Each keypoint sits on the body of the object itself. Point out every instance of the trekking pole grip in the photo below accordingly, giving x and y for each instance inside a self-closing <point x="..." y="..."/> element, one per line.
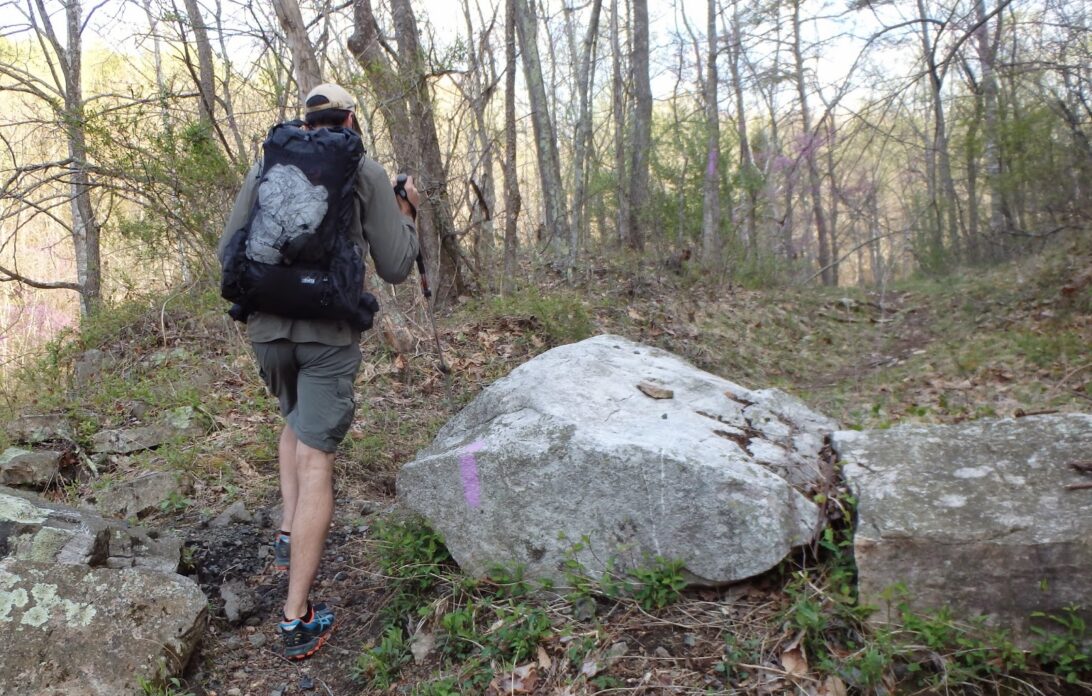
<point x="400" y="191"/>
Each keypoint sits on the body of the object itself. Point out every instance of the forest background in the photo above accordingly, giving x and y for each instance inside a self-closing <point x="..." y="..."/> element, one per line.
<point x="880" y="207"/>
<point x="842" y="143"/>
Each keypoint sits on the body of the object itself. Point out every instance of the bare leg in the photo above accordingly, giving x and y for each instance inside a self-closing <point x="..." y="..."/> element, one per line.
<point x="286" y="456"/>
<point x="314" y="510"/>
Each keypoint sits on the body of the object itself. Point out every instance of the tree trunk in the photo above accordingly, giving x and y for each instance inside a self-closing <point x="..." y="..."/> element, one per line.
<point x="942" y="187"/>
<point x="85" y="226"/>
<point x="583" y="131"/>
<point x="511" y="186"/>
<point x="308" y="72"/>
<point x="549" y="165"/>
<point x="710" y="216"/>
<point x="811" y="142"/>
<point x="483" y="194"/>
<point x="206" y="83"/>
<point x="407" y="108"/>
<point x="749" y="175"/>
<point x="431" y="178"/>
<point x="835" y="197"/>
<point x="642" y="127"/>
<point x="618" y="112"/>
<point x="987" y="53"/>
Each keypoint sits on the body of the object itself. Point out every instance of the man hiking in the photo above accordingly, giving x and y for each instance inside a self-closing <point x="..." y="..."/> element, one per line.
<point x="307" y="349"/>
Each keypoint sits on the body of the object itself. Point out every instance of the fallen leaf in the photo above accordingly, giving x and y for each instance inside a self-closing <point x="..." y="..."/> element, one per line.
<point x="651" y="390"/>
<point x="521" y="680"/>
<point x="590" y="668"/>
<point x="794" y="662"/>
<point x="544" y="659"/>
<point x="832" y="686"/>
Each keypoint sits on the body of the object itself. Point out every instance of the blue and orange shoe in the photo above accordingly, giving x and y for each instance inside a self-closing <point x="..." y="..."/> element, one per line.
<point x="282" y="551"/>
<point x="303" y="638"/>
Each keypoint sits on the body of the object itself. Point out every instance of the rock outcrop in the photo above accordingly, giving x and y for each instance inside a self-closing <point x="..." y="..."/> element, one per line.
<point x="87" y="605"/>
<point x="981" y="517"/>
<point x="74" y="631"/>
<point x="631" y="449"/>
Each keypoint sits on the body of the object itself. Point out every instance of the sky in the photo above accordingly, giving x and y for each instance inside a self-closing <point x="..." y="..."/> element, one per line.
<point x="115" y="23"/>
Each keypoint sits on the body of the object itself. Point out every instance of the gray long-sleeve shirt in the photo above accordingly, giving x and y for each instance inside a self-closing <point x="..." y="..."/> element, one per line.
<point x="378" y="228"/>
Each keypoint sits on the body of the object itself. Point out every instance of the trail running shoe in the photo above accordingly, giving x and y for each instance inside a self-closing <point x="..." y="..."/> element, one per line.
<point x="302" y="639"/>
<point x="282" y="552"/>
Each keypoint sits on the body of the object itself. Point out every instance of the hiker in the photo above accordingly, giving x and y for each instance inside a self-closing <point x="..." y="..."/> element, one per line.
<point x="310" y="364"/>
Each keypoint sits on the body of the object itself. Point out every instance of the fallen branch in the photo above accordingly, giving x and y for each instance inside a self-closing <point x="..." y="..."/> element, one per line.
<point x="1079" y="486"/>
<point x="1082" y="467"/>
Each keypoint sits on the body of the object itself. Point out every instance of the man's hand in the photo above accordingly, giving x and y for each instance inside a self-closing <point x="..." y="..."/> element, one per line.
<point x="407" y="196"/>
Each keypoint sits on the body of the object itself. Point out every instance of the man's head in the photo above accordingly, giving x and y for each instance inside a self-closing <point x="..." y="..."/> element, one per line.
<point x="327" y="105"/>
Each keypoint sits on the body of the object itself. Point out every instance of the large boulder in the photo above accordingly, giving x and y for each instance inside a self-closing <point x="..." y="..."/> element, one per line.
<point x="982" y="517"/>
<point x="74" y="630"/>
<point x="630" y="449"/>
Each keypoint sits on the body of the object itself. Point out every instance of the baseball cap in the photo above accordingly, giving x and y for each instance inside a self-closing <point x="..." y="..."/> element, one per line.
<point x="327" y="96"/>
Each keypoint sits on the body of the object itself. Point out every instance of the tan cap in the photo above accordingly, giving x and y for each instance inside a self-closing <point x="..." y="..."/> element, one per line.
<point x="327" y="96"/>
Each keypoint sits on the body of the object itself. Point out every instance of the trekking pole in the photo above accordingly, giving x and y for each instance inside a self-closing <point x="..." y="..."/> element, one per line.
<point x="400" y="191"/>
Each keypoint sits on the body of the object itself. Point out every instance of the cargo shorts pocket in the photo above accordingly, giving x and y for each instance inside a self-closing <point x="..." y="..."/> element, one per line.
<point x="346" y="401"/>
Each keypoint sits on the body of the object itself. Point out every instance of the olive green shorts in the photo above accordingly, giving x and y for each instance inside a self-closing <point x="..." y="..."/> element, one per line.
<point x="314" y="384"/>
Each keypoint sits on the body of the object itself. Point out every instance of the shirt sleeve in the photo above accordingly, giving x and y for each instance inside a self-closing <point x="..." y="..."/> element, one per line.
<point x="244" y="201"/>
<point x="391" y="236"/>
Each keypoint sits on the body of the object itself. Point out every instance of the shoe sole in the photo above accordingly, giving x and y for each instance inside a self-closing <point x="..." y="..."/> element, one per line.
<point x="321" y="642"/>
<point x="280" y="567"/>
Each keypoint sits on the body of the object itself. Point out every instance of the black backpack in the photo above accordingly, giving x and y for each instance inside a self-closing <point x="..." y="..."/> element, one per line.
<point x="294" y="258"/>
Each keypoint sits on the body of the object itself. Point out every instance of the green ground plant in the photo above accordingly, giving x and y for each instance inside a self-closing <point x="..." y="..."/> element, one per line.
<point x="563" y="314"/>
<point x="659" y="584"/>
<point x="1062" y="647"/>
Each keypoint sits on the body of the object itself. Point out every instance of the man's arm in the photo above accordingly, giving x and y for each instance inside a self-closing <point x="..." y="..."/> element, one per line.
<point x="391" y="235"/>
<point x="244" y="201"/>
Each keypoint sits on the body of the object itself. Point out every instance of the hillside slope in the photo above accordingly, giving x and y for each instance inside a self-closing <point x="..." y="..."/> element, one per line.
<point x="1007" y="341"/>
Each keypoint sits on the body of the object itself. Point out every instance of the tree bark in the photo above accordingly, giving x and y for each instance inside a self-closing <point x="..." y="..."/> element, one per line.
<point x="942" y="194"/>
<point x="749" y="174"/>
<point x="583" y="131"/>
<point x="407" y="109"/>
<point x="642" y="127"/>
<point x="619" y="116"/>
<point x="84" y="227"/>
<point x="710" y="218"/>
<point x="206" y="83"/>
<point x="987" y="52"/>
<point x="511" y="186"/>
<point x="483" y="196"/>
<point x="811" y="142"/>
<point x="432" y="176"/>
<point x="308" y="72"/>
<point x="549" y="165"/>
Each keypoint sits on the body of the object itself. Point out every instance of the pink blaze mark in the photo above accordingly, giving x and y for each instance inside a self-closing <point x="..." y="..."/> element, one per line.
<point x="468" y="472"/>
<point x="711" y="169"/>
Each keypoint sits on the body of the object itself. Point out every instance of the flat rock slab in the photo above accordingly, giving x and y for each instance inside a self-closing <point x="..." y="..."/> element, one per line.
<point x="29" y="468"/>
<point x="34" y="529"/>
<point x="611" y="453"/>
<point x="73" y="630"/>
<point x="36" y="428"/>
<point x="138" y="496"/>
<point x="976" y="517"/>
<point x="179" y="421"/>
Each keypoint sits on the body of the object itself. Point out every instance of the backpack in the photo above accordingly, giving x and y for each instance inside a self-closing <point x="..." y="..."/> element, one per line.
<point x="293" y="257"/>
